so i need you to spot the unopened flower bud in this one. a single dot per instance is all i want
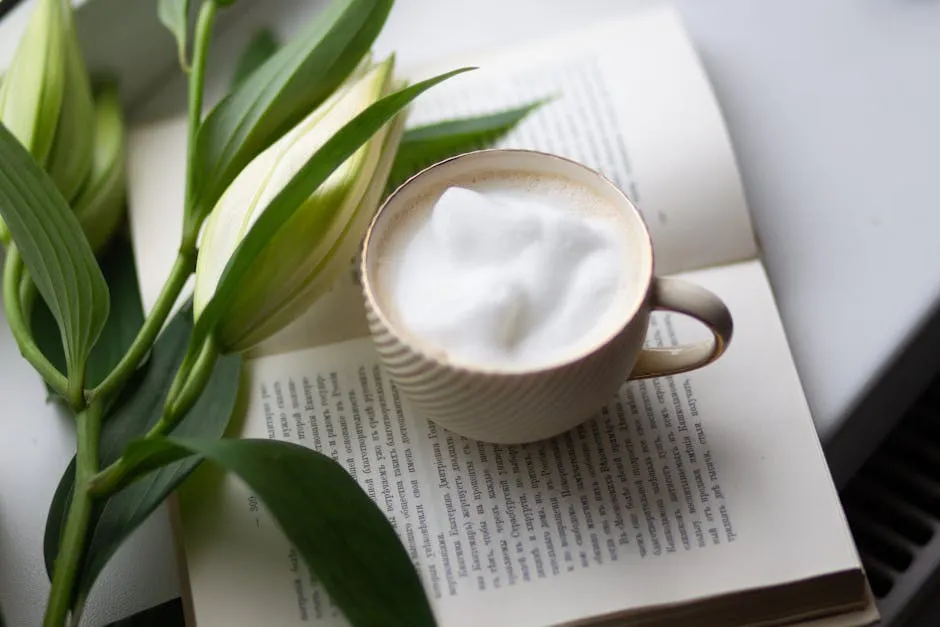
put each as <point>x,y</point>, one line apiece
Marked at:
<point>316,245</point>
<point>70,158</point>
<point>45,97</point>
<point>32,90</point>
<point>100,205</point>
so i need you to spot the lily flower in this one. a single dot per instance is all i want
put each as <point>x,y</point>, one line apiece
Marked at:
<point>100,204</point>
<point>317,244</point>
<point>46,100</point>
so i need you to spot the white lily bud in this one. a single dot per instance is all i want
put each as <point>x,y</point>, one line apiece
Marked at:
<point>316,245</point>
<point>100,205</point>
<point>33,86</point>
<point>45,97</point>
<point>70,158</point>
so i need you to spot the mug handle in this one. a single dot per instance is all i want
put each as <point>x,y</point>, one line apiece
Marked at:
<point>687,298</point>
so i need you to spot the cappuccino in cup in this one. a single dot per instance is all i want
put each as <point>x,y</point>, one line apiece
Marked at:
<point>509,271</point>
<point>508,294</point>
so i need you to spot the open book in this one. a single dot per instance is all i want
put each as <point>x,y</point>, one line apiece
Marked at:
<point>697,499</point>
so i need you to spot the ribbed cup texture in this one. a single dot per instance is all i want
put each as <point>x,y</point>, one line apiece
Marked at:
<point>508,407</point>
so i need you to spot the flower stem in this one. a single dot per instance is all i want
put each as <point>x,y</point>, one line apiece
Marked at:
<point>12,274</point>
<point>74,535</point>
<point>186,258</point>
<point>28,293</point>
<point>202,37</point>
<point>76,388</point>
<point>184,266</point>
<point>196,380</point>
<point>189,383</point>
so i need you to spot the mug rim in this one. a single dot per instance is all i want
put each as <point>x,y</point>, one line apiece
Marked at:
<point>630,315</point>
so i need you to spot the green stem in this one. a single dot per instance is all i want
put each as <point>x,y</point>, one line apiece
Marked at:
<point>74,535</point>
<point>76,389</point>
<point>19,327</point>
<point>189,384</point>
<point>196,381</point>
<point>186,259</point>
<point>182,375</point>
<point>28,293</point>
<point>202,36</point>
<point>184,266</point>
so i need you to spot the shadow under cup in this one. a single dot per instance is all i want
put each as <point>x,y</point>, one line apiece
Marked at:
<point>502,404</point>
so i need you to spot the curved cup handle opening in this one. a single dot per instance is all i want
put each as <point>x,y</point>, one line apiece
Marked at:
<point>680,296</point>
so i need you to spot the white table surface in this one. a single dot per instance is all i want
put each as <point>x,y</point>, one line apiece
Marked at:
<point>834,112</point>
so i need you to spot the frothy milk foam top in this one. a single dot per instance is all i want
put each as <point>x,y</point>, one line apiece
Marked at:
<point>514,271</point>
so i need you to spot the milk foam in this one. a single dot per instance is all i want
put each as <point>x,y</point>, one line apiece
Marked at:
<point>516,272</point>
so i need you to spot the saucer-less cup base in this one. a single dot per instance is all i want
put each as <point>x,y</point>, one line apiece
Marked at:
<point>494,404</point>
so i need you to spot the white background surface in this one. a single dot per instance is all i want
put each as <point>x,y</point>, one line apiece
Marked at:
<point>834,111</point>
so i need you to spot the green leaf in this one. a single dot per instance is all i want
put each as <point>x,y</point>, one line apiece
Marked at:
<point>174,14</point>
<point>317,169</point>
<point>46,333</point>
<point>124,320</point>
<point>127,311</point>
<point>259,49</point>
<point>345,540</point>
<point>54,250</point>
<point>55,518</point>
<point>290,84</point>
<point>139,408</point>
<point>426,145</point>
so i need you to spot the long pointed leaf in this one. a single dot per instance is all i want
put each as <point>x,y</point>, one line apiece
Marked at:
<point>174,14</point>
<point>278,94</point>
<point>54,249</point>
<point>127,311</point>
<point>124,320</point>
<point>425,145</point>
<point>345,540</point>
<point>317,169</point>
<point>55,517</point>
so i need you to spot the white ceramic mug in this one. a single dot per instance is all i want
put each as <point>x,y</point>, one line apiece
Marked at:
<point>498,405</point>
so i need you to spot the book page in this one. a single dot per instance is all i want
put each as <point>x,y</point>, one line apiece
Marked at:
<point>680,488</point>
<point>631,99</point>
